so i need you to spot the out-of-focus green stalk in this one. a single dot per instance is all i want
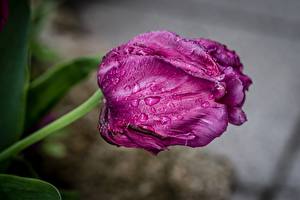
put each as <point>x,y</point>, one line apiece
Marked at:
<point>63,121</point>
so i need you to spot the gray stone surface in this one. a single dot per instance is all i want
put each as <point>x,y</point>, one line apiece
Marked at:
<point>266,34</point>
<point>178,175</point>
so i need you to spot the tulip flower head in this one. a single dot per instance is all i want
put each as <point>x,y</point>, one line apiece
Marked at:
<point>162,90</point>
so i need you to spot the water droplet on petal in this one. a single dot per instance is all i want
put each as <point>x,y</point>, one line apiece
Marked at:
<point>206,121</point>
<point>198,101</point>
<point>157,88</point>
<point>135,102</point>
<point>127,87</point>
<point>180,117</point>
<point>150,101</point>
<point>165,120</point>
<point>122,72</point>
<point>219,91</point>
<point>148,127</point>
<point>143,117</point>
<point>113,71</point>
<point>153,88</point>
<point>221,77</point>
<point>115,80</point>
<point>205,104</point>
<point>153,110</point>
<point>220,87</point>
<point>135,88</point>
<point>172,105</point>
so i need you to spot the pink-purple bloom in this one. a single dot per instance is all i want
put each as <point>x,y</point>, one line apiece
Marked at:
<point>3,13</point>
<point>161,90</point>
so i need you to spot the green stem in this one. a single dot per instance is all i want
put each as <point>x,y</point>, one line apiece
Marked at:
<point>63,121</point>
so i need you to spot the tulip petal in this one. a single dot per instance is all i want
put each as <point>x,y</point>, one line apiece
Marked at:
<point>154,80</point>
<point>223,55</point>
<point>180,52</point>
<point>236,82</point>
<point>236,116</point>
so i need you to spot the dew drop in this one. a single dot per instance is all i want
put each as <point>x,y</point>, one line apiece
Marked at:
<point>153,110</point>
<point>143,117</point>
<point>127,87</point>
<point>219,91</point>
<point>113,71</point>
<point>172,105</point>
<point>122,72</point>
<point>115,80</point>
<point>198,101</point>
<point>221,77</point>
<point>165,120</point>
<point>135,88</point>
<point>209,73</point>
<point>180,117</point>
<point>148,127</point>
<point>206,121</point>
<point>205,104</point>
<point>220,87</point>
<point>135,102</point>
<point>150,101</point>
<point>154,88</point>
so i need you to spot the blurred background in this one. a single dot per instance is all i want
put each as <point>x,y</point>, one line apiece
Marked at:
<point>259,160</point>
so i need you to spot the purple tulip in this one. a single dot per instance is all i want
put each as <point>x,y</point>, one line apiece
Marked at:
<point>161,90</point>
<point>3,13</point>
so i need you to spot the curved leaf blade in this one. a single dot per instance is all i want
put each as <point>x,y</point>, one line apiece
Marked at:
<point>45,91</point>
<point>20,188</point>
<point>13,76</point>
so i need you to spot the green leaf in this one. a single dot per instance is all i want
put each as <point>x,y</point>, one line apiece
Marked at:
<point>41,52</point>
<point>20,188</point>
<point>13,76</point>
<point>45,91</point>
